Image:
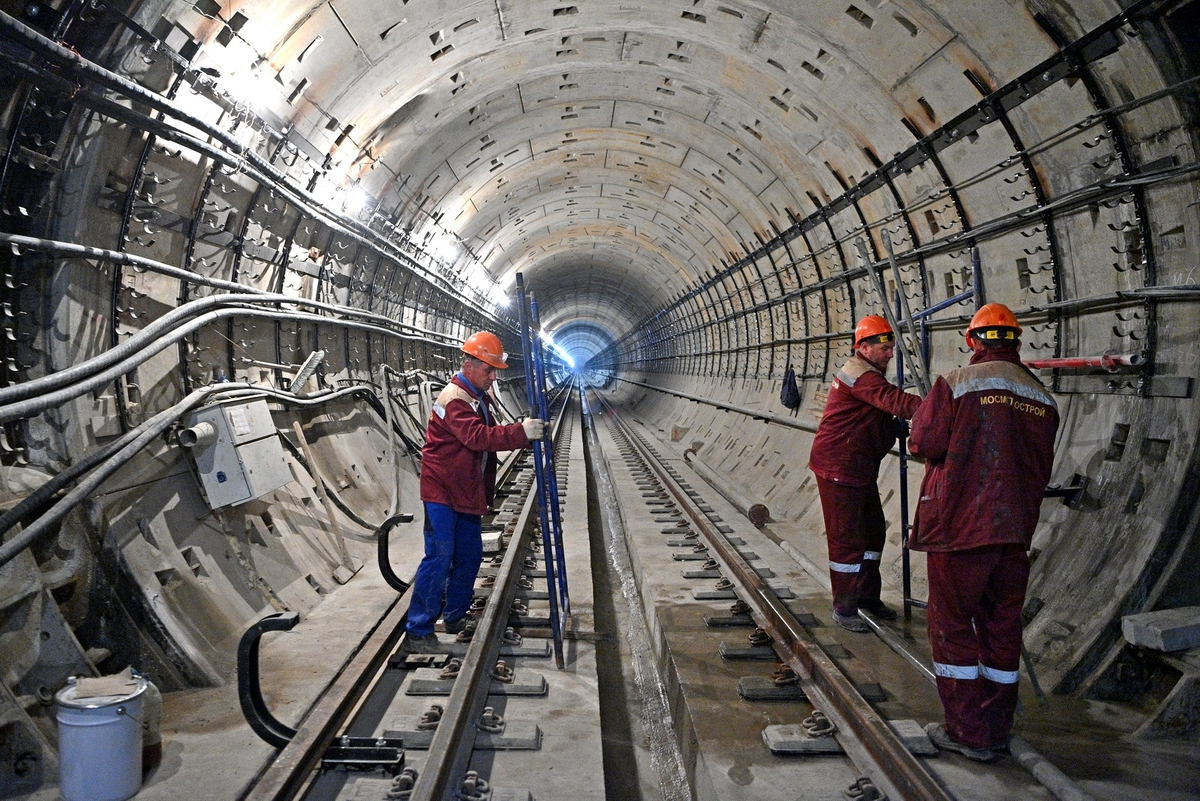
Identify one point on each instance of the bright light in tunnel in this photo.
(355, 200)
(548, 338)
(254, 87)
(500, 296)
(445, 248)
(565, 355)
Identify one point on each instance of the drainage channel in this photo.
(756, 736)
(488, 717)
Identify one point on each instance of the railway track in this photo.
(766, 616)
(449, 719)
(735, 630)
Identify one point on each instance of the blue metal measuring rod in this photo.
(528, 349)
(539, 363)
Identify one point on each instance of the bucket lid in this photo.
(67, 696)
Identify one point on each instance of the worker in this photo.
(458, 486)
(858, 428)
(987, 432)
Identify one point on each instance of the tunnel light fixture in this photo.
(355, 200)
(500, 296)
(561, 351)
(252, 87)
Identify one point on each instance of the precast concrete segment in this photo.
(877, 750)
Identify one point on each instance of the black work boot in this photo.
(878, 608)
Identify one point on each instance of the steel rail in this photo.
(454, 739)
(287, 775)
(873, 747)
(290, 772)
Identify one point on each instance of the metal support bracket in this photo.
(385, 564)
(250, 696)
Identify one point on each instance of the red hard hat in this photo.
(871, 326)
(996, 317)
(486, 347)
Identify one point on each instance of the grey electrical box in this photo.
(237, 451)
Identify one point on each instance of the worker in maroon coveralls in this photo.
(857, 429)
(987, 432)
(458, 485)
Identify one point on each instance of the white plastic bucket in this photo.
(100, 744)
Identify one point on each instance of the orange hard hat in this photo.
(994, 321)
(872, 326)
(486, 347)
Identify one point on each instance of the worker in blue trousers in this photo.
(458, 486)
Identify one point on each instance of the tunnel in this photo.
(220, 210)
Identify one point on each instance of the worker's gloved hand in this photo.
(534, 428)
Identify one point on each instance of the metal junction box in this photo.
(237, 451)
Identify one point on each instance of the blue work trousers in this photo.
(445, 578)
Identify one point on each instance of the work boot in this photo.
(424, 644)
(851, 622)
(942, 739)
(878, 608)
(457, 626)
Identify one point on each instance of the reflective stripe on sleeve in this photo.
(999, 676)
(875, 555)
(837, 567)
(956, 671)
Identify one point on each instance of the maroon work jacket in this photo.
(857, 429)
(458, 462)
(987, 433)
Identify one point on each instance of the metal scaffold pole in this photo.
(539, 363)
(529, 347)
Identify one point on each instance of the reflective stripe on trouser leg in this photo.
(974, 619)
(854, 526)
(999, 624)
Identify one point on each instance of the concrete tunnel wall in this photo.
(682, 186)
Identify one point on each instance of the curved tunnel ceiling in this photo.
(615, 153)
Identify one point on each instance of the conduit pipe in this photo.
(240, 294)
(114, 454)
(1112, 362)
(112, 460)
(757, 513)
(31, 406)
(263, 171)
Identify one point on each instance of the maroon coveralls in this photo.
(855, 432)
(987, 431)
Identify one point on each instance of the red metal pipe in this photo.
(1112, 362)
